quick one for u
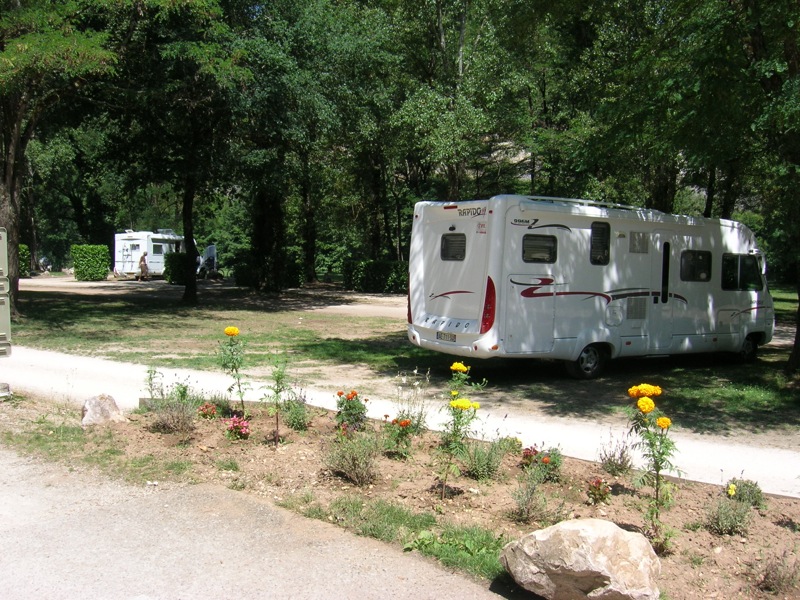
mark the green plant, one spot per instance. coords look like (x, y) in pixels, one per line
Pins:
(154, 383)
(411, 399)
(353, 456)
(351, 412)
(615, 457)
(657, 448)
(471, 549)
(397, 437)
(238, 428)
(599, 491)
(482, 460)
(780, 574)
(91, 262)
(727, 517)
(231, 357)
(207, 410)
(746, 491)
(295, 414)
(531, 503)
(549, 461)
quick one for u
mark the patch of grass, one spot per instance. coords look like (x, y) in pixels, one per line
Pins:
(228, 464)
(178, 467)
(470, 549)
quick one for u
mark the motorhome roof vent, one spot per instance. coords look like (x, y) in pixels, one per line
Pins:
(167, 231)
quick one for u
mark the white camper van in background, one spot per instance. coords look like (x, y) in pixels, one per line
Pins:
(129, 247)
(582, 281)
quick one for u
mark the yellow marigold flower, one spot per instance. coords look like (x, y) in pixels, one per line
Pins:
(461, 404)
(476, 405)
(454, 393)
(231, 331)
(646, 405)
(664, 422)
(459, 367)
(732, 490)
(644, 389)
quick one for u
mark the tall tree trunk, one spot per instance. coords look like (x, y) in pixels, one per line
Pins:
(711, 190)
(309, 219)
(190, 291)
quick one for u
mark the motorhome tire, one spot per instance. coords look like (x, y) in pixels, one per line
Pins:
(749, 349)
(590, 364)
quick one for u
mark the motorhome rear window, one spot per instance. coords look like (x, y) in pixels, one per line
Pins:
(695, 265)
(741, 272)
(601, 243)
(539, 248)
(454, 246)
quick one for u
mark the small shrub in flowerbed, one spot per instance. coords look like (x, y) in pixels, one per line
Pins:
(549, 461)
(351, 411)
(397, 435)
(599, 491)
(238, 428)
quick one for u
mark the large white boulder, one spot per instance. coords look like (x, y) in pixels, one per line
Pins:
(101, 409)
(584, 558)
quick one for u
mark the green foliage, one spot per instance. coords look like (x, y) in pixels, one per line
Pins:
(530, 499)
(615, 457)
(728, 517)
(482, 460)
(746, 491)
(175, 264)
(397, 437)
(471, 549)
(91, 262)
(24, 260)
(377, 276)
(354, 457)
(351, 413)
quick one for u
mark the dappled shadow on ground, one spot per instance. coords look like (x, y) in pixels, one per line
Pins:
(211, 294)
(709, 394)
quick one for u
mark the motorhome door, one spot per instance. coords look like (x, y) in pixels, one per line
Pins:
(659, 321)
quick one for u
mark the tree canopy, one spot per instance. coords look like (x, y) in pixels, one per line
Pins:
(297, 134)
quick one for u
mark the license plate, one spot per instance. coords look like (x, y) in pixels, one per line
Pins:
(445, 337)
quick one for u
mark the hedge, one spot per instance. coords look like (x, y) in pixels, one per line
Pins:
(175, 267)
(377, 276)
(91, 262)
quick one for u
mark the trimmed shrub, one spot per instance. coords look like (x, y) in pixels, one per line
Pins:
(175, 267)
(377, 276)
(24, 260)
(91, 262)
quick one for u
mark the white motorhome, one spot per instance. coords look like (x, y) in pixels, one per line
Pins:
(130, 245)
(582, 281)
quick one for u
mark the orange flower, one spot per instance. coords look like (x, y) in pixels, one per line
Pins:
(405, 423)
(340, 393)
(546, 460)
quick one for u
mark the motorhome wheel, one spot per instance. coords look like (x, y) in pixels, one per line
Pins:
(749, 350)
(590, 363)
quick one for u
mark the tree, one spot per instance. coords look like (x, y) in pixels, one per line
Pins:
(47, 51)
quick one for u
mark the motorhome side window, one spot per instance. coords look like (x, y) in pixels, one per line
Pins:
(601, 243)
(158, 249)
(454, 246)
(695, 265)
(539, 248)
(134, 247)
(741, 272)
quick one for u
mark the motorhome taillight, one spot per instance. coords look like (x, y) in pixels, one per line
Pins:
(489, 305)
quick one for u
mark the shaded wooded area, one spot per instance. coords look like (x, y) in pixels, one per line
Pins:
(297, 134)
